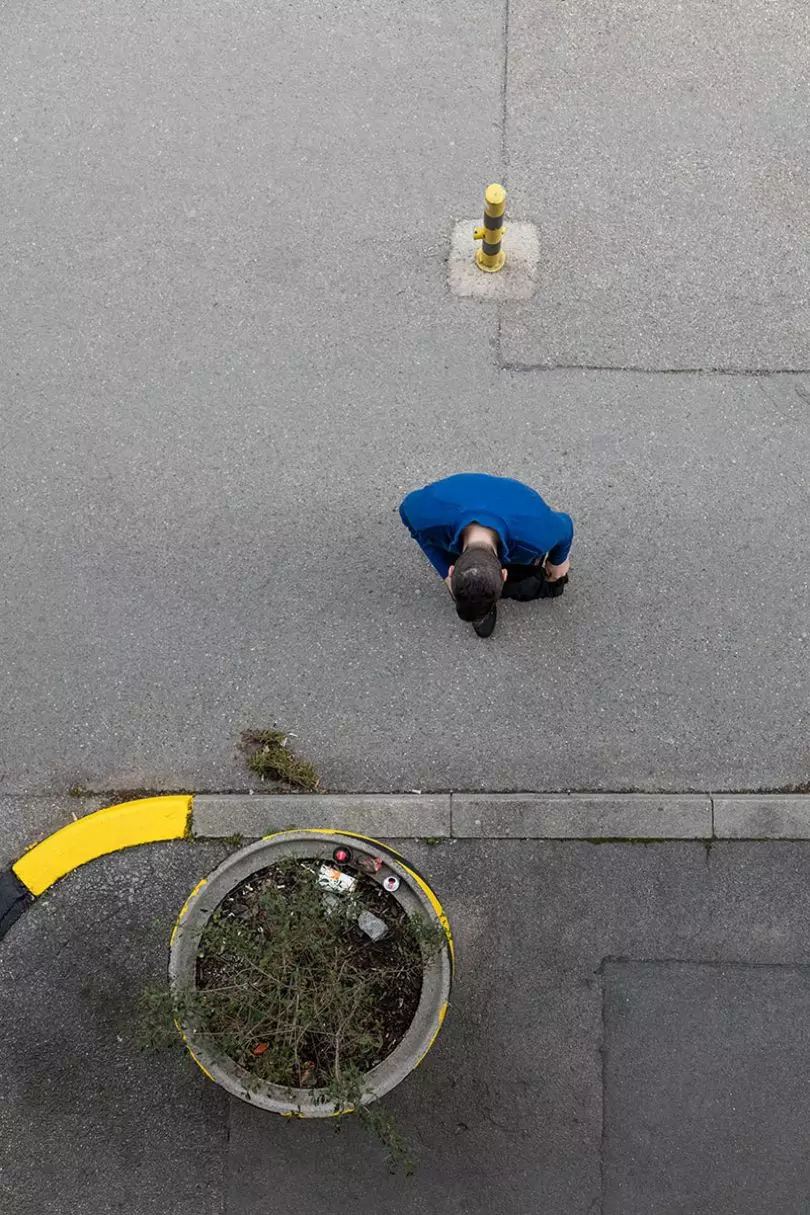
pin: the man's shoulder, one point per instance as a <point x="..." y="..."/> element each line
<point x="469" y="489"/>
<point x="467" y="482"/>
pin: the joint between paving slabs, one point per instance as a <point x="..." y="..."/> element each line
<point x="505" y="98"/>
<point x="747" y="373"/>
<point x="504" y="169"/>
<point x="600" y="972"/>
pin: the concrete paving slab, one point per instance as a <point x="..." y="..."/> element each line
<point x="660" y="151"/>
<point x="370" y="814"/>
<point x="706" y="1099"/>
<point x="752" y="817"/>
<point x="90" y="1122"/>
<point x="581" y="816"/>
<point x="509" y="1101"/>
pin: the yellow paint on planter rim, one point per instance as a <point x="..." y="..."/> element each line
<point x="148" y="820"/>
<point x="202" y="882"/>
<point x="439" y="1024"/>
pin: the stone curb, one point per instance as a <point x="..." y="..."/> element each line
<point x="758" y="816"/>
<point x="406" y="816"/>
<point x="584" y="816"/>
<point x="581" y="816"/>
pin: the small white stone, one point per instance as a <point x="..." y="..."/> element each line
<point x="372" y="925"/>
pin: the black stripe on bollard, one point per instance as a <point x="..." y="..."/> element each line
<point x="489" y="249"/>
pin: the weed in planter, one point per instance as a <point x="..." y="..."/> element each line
<point x="292" y="990"/>
<point x="348" y="1095"/>
<point x="268" y="755"/>
<point x="283" y="967"/>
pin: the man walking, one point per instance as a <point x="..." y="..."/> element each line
<point x="490" y="536"/>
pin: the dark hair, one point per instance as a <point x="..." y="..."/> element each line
<point x="477" y="583"/>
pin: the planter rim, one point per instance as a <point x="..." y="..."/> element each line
<point x="414" y="895"/>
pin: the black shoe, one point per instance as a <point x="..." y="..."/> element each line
<point x="486" y="627"/>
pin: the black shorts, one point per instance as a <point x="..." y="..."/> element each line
<point x="524" y="582"/>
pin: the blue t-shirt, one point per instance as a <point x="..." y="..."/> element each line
<point x="527" y="527"/>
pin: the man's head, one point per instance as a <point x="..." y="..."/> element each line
<point x="476" y="582"/>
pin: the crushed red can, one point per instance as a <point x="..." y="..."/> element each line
<point x="370" y="864"/>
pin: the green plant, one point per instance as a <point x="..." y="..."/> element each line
<point x="268" y="754"/>
<point x="156" y="1015"/>
<point x="283" y="965"/>
<point x="348" y="1096"/>
<point x="290" y="989"/>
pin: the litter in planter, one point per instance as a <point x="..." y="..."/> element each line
<point x="330" y="878"/>
<point x="370" y="864"/>
<point x="391" y="883"/>
<point x="372" y="925"/>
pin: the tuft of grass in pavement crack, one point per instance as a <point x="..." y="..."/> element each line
<point x="268" y="754"/>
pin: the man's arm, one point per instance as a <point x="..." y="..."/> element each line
<point x="557" y="562"/>
<point x="438" y="558"/>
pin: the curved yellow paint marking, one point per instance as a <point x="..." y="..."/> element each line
<point x="146" y="821"/>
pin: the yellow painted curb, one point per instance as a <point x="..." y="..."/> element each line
<point x="146" y="821"/>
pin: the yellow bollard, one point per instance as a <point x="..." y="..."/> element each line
<point x="490" y="257"/>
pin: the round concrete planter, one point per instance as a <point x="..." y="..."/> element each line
<point x="413" y="894"/>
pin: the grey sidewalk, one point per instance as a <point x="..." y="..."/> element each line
<point x="629" y="979"/>
<point x="207" y="540"/>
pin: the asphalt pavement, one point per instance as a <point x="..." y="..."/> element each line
<point x="627" y="1034"/>
<point x="230" y="350"/>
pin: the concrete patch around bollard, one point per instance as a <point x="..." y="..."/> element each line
<point x="413" y="894"/>
<point x="517" y="280"/>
